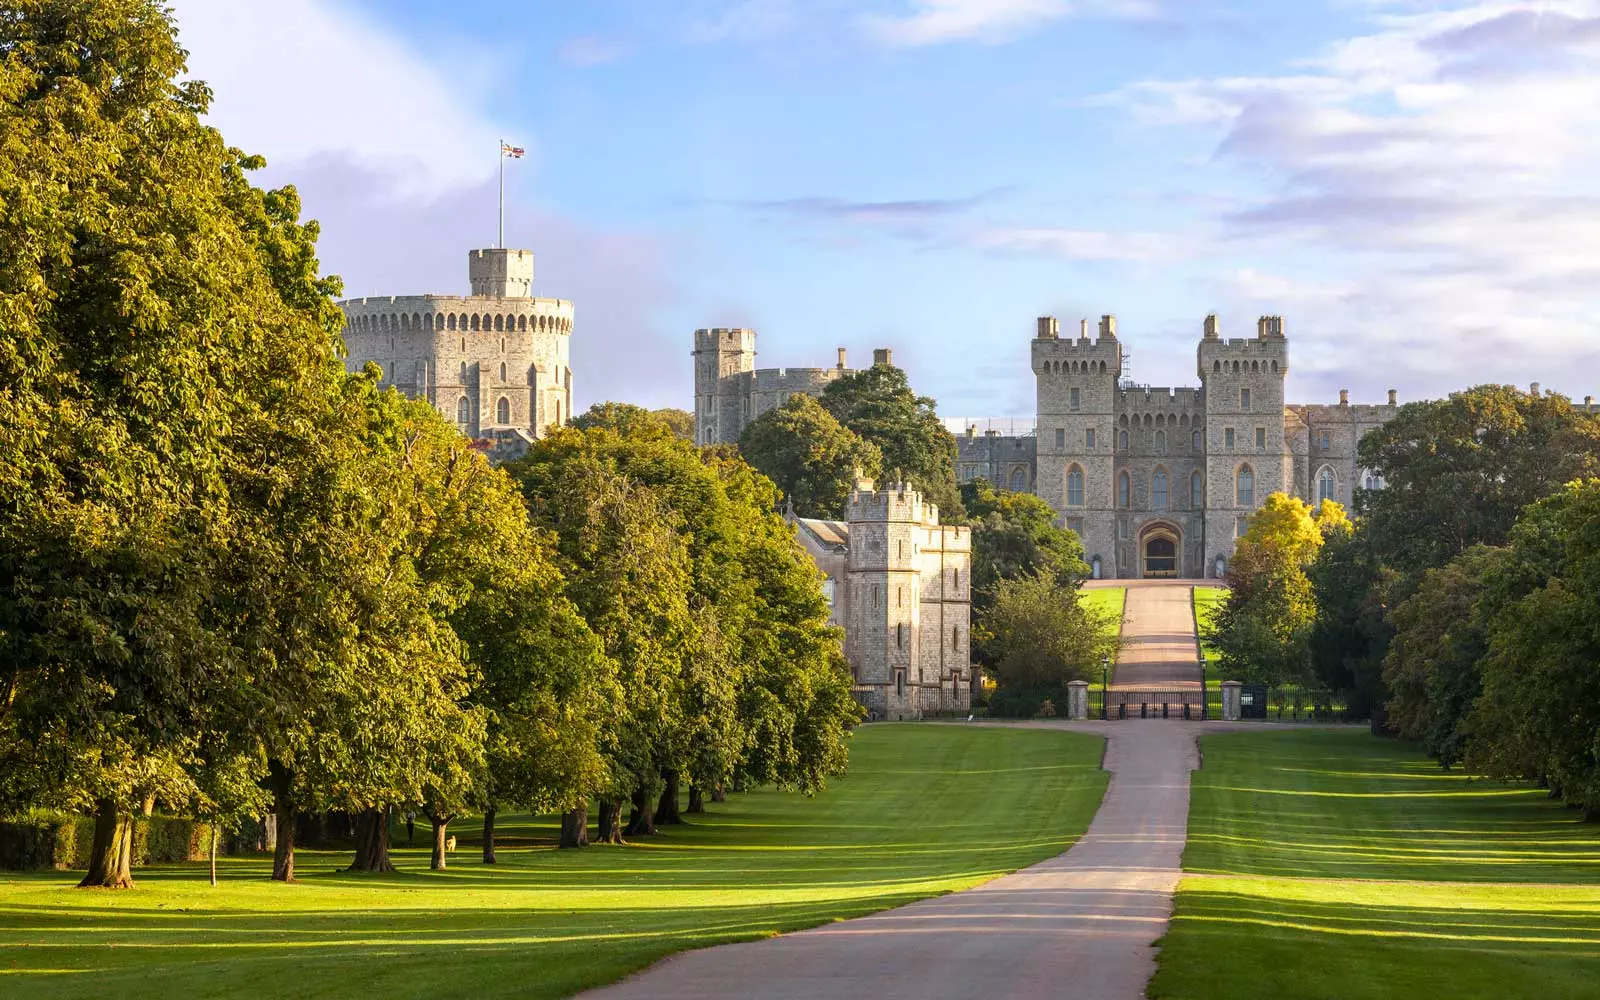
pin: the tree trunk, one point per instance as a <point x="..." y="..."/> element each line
<point x="283" y="808"/>
<point x="641" y="818"/>
<point x="575" y="827"/>
<point x="719" y="792"/>
<point x="112" y="848"/>
<point x="441" y="831"/>
<point x="213" y="855"/>
<point x="667" y="806"/>
<point x="269" y="832"/>
<point x="488" y="836"/>
<point x="372" y="843"/>
<point x="738" y="782"/>
<point x="610" y="821"/>
<point x="697" y="802"/>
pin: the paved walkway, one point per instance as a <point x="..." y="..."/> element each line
<point x="1080" y="925"/>
<point x="1158" y="624"/>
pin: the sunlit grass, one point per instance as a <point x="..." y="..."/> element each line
<point x="1350" y="867"/>
<point x="1108" y="601"/>
<point x="925" y="810"/>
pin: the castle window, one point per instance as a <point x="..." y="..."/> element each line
<point x="1241" y="524"/>
<point x="475" y="322"/>
<point x="955" y="637"/>
<point x="1124" y="491"/>
<point x="1261" y="439"/>
<point x="1088" y="439"/>
<point x="463" y="412"/>
<point x="1061" y="439"/>
<point x="1158" y="490"/>
<point x="899" y="637"/>
<point x="502" y="371"/>
<point x="1325" y="441"/>
<point x="463" y="345"/>
<point x="1196" y="498"/>
<point x="900" y="683"/>
<point x="874" y="597"/>
<point x="899" y="550"/>
<point x="1122" y="440"/>
<point x="558" y="413"/>
<point x="1161" y="442"/>
<point x="1019" y="480"/>
<point x="463" y="373"/>
<point x="1227" y="437"/>
<point x="1075" y="525"/>
<point x="1074" y="399"/>
<point x="1197" y="441"/>
<point x="502" y="345"/>
<point x="899" y="597"/>
<point x="1274" y="366"/>
<point x="1245" y="487"/>
<point x="502" y="411"/>
<point x="1075" y="487"/>
<point x="1122" y="529"/>
<point x="1216" y="366"/>
<point x="1327" y="486"/>
<point x="1244" y="400"/>
<point x="1236" y="367"/>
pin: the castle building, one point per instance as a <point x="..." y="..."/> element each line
<point x="496" y="362"/>
<point x="730" y="392"/>
<point x="899" y="583"/>
<point x="1159" y="482"/>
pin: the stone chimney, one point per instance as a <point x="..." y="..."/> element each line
<point x="1393" y="396"/>
<point x="841" y="359"/>
<point x="882" y="356"/>
<point x="1533" y="390"/>
<point x="1213" y="331"/>
<point x="1344" y="397"/>
<point x="1108" y="326"/>
<point x="1049" y="328"/>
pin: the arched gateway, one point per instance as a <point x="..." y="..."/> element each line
<point x="1158" y="551"/>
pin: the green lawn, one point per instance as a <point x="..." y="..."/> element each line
<point x="925" y="810"/>
<point x="1108" y="600"/>
<point x="1350" y="867"/>
<point x="1207" y="600"/>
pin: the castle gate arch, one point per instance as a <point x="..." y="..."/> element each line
<point x="1160" y="545"/>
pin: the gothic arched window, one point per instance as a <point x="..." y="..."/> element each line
<point x="1122" y="441"/>
<point x="1245" y="492"/>
<point x="1158" y="490"/>
<point x="463" y="412"/>
<point x="1124" y="491"/>
<point x="1198" y="441"/>
<point x="1019" y="480"/>
<point x="1161" y="442"/>
<point x="502" y="411"/>
<point x="1195" y="491"/>
<point x="1075" y="487"/>
<point x="1327" y="486"/>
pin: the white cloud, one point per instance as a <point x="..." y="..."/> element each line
<point x="298" y="79"/>
<point x="1080" y="244"/>
<point x="1436" y="178"/>
<point x="934" y="22"/>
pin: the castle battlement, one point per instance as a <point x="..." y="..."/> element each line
<point x="1178" y="398"/>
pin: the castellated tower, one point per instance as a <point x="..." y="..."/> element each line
<point x="1077" y="395"/>
<point x="496" y="362"/>
<point x="720" y="354"/>
<point x="1246" y="456"/>
<point x="906" y="624"/>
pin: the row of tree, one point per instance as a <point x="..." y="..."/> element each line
<point x="1459" y="607"/>
<point x="239" y="579"/>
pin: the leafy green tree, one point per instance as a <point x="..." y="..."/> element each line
<point x="1040" y="637"/>
<point x="1262" y="631"/>
<point x="1459" y="471"/>
<point x="877" y="404"/>
<point x="813" y="459"/>
<point x="1014" y="535"/>
<point x="681" y="421"/>
<point x="1351" y="632"/>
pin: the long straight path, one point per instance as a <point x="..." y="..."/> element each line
<point x="1158" y="625"/>
<point x="1080" y="925"/>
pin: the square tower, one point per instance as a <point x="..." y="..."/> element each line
<point x="1246" y="456"/>
<point x="1076" y="405"/>
<point x="720" y="355"/>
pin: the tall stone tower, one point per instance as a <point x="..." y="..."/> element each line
<point x="719" y="353"/>
<point x="501" y="274"/>
<point x="1246" y="459"/>
<point x="1077" y="396"/>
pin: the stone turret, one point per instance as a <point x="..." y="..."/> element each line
<point x="501" y="274"/>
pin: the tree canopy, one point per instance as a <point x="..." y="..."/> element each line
<point x="877" y="404"/>
<point x="812" y="458"/>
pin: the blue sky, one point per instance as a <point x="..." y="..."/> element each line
<point x="1411" y="185"/>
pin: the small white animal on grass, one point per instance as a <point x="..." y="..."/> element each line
<point x="450" y="843"/>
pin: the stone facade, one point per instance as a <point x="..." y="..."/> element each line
<point x="496" y="362"/>
<point x="730" y="391"/>
<point x="1159" y="481"/>
<point x="899" y="583"/>
<point x="1008" y="460"/>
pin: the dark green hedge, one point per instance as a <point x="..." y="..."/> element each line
<point x="45" y="840"/>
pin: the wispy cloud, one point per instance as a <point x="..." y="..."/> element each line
<point x="1438" y="172"/>
<point x="590" y="50"/>
<point x="935" y="22"/>
<point x="1081" y="244"/>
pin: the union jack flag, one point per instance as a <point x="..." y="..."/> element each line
<point x="515" y="152"/>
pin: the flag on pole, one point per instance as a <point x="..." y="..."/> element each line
<point x="515" y="152"/>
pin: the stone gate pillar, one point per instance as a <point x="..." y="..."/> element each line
<point x="1078" y="700"/>
<point x="1230" y="701"/>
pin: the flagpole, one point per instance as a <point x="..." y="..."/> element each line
<point x="501" y="155"/>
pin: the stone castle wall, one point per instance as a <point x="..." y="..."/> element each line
<point x="490" y="363"/>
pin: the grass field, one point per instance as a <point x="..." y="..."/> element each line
<point x="925" y="810"/>
<point x="1107" y="600"/>
<point x="1347" y="866"/>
